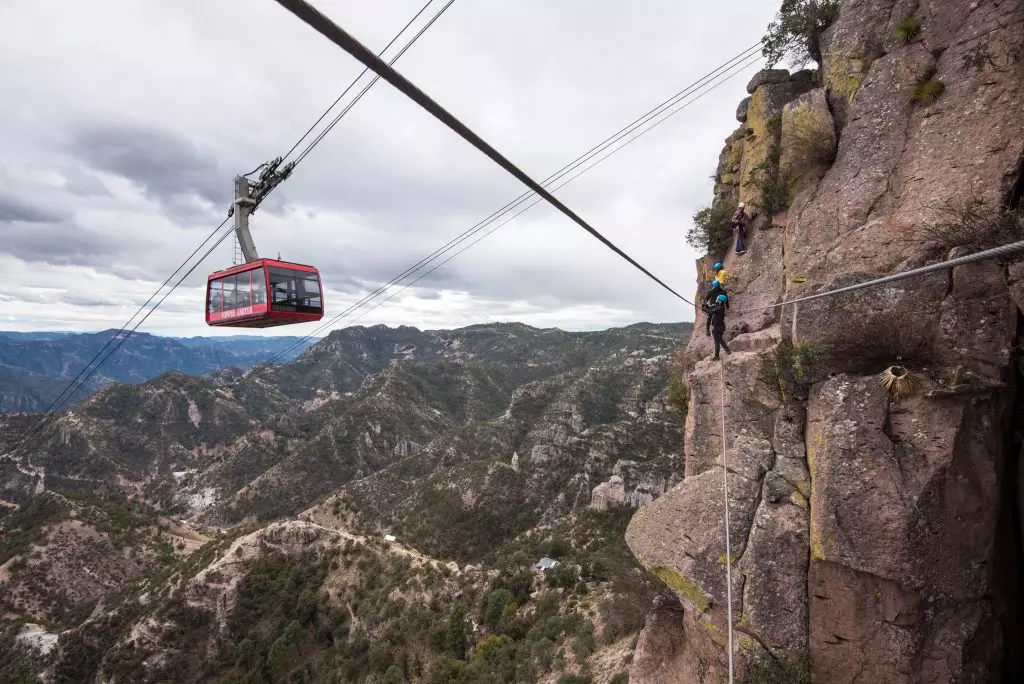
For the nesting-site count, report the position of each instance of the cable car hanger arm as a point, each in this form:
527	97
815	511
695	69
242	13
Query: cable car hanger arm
248	196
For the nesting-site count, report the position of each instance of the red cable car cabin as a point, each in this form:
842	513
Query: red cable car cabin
237	296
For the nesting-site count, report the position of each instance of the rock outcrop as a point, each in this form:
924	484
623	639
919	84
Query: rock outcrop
877	537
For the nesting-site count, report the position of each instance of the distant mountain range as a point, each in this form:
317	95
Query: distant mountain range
373	511
35	367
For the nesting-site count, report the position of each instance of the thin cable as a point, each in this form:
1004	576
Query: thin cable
366	88
728	543
342	39
64	398
924	270
125	337
356	80
123	328
527	208
644	119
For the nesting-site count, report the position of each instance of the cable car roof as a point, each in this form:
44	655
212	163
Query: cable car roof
261	263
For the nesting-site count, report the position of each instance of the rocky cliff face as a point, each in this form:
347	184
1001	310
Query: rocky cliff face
876	536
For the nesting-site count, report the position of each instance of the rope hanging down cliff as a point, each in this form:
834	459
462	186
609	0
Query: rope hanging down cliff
728	543
342	39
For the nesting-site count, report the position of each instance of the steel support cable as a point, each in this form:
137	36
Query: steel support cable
363	73
71	386
319	138
1002	250
63	400
731	71
342	39
369	85
125	335
539	200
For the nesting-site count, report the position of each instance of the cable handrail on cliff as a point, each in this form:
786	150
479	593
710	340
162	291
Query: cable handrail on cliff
992	253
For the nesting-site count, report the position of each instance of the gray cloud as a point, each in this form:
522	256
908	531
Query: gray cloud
84	300
15	209
169	166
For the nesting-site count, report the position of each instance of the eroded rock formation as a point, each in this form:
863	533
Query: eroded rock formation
877	537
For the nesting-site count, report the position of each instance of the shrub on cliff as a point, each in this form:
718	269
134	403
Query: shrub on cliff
975	224
908	29
809	142
768	177
778	669
790	369
711	232
796	31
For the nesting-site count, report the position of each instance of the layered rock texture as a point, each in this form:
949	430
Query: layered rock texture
876	538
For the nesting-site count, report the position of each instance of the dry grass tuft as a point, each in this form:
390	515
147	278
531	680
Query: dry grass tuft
975	224
899	381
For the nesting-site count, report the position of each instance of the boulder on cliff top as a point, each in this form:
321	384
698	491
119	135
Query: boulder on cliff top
767	76
741	110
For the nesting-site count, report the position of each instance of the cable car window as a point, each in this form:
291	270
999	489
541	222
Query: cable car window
213	299
243	283
229	292
259	288
294	291
309	291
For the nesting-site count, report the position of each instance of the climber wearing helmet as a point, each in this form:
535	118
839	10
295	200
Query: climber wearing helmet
720	273
716	314
710	299
739	224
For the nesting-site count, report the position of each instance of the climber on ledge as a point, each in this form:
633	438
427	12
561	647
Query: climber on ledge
720	273
716	314
710	299
739	224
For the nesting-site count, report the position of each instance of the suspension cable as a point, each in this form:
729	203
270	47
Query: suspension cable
708	82
342	39
122	337
67	394
530	206
369	85
363	73
64	396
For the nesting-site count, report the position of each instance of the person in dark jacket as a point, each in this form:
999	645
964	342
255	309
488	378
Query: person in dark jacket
739	225
710	299
716	313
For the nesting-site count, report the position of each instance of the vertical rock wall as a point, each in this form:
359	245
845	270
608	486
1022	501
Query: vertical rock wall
878	537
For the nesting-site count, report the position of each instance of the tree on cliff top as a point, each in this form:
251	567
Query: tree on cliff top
711	232
796	31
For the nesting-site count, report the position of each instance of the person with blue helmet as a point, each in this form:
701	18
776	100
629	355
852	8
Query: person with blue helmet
711	298
720	273
716	315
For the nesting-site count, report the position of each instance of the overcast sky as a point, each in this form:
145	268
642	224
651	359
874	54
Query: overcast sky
123	122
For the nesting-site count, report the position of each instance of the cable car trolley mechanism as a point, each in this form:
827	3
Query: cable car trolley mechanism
261	292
